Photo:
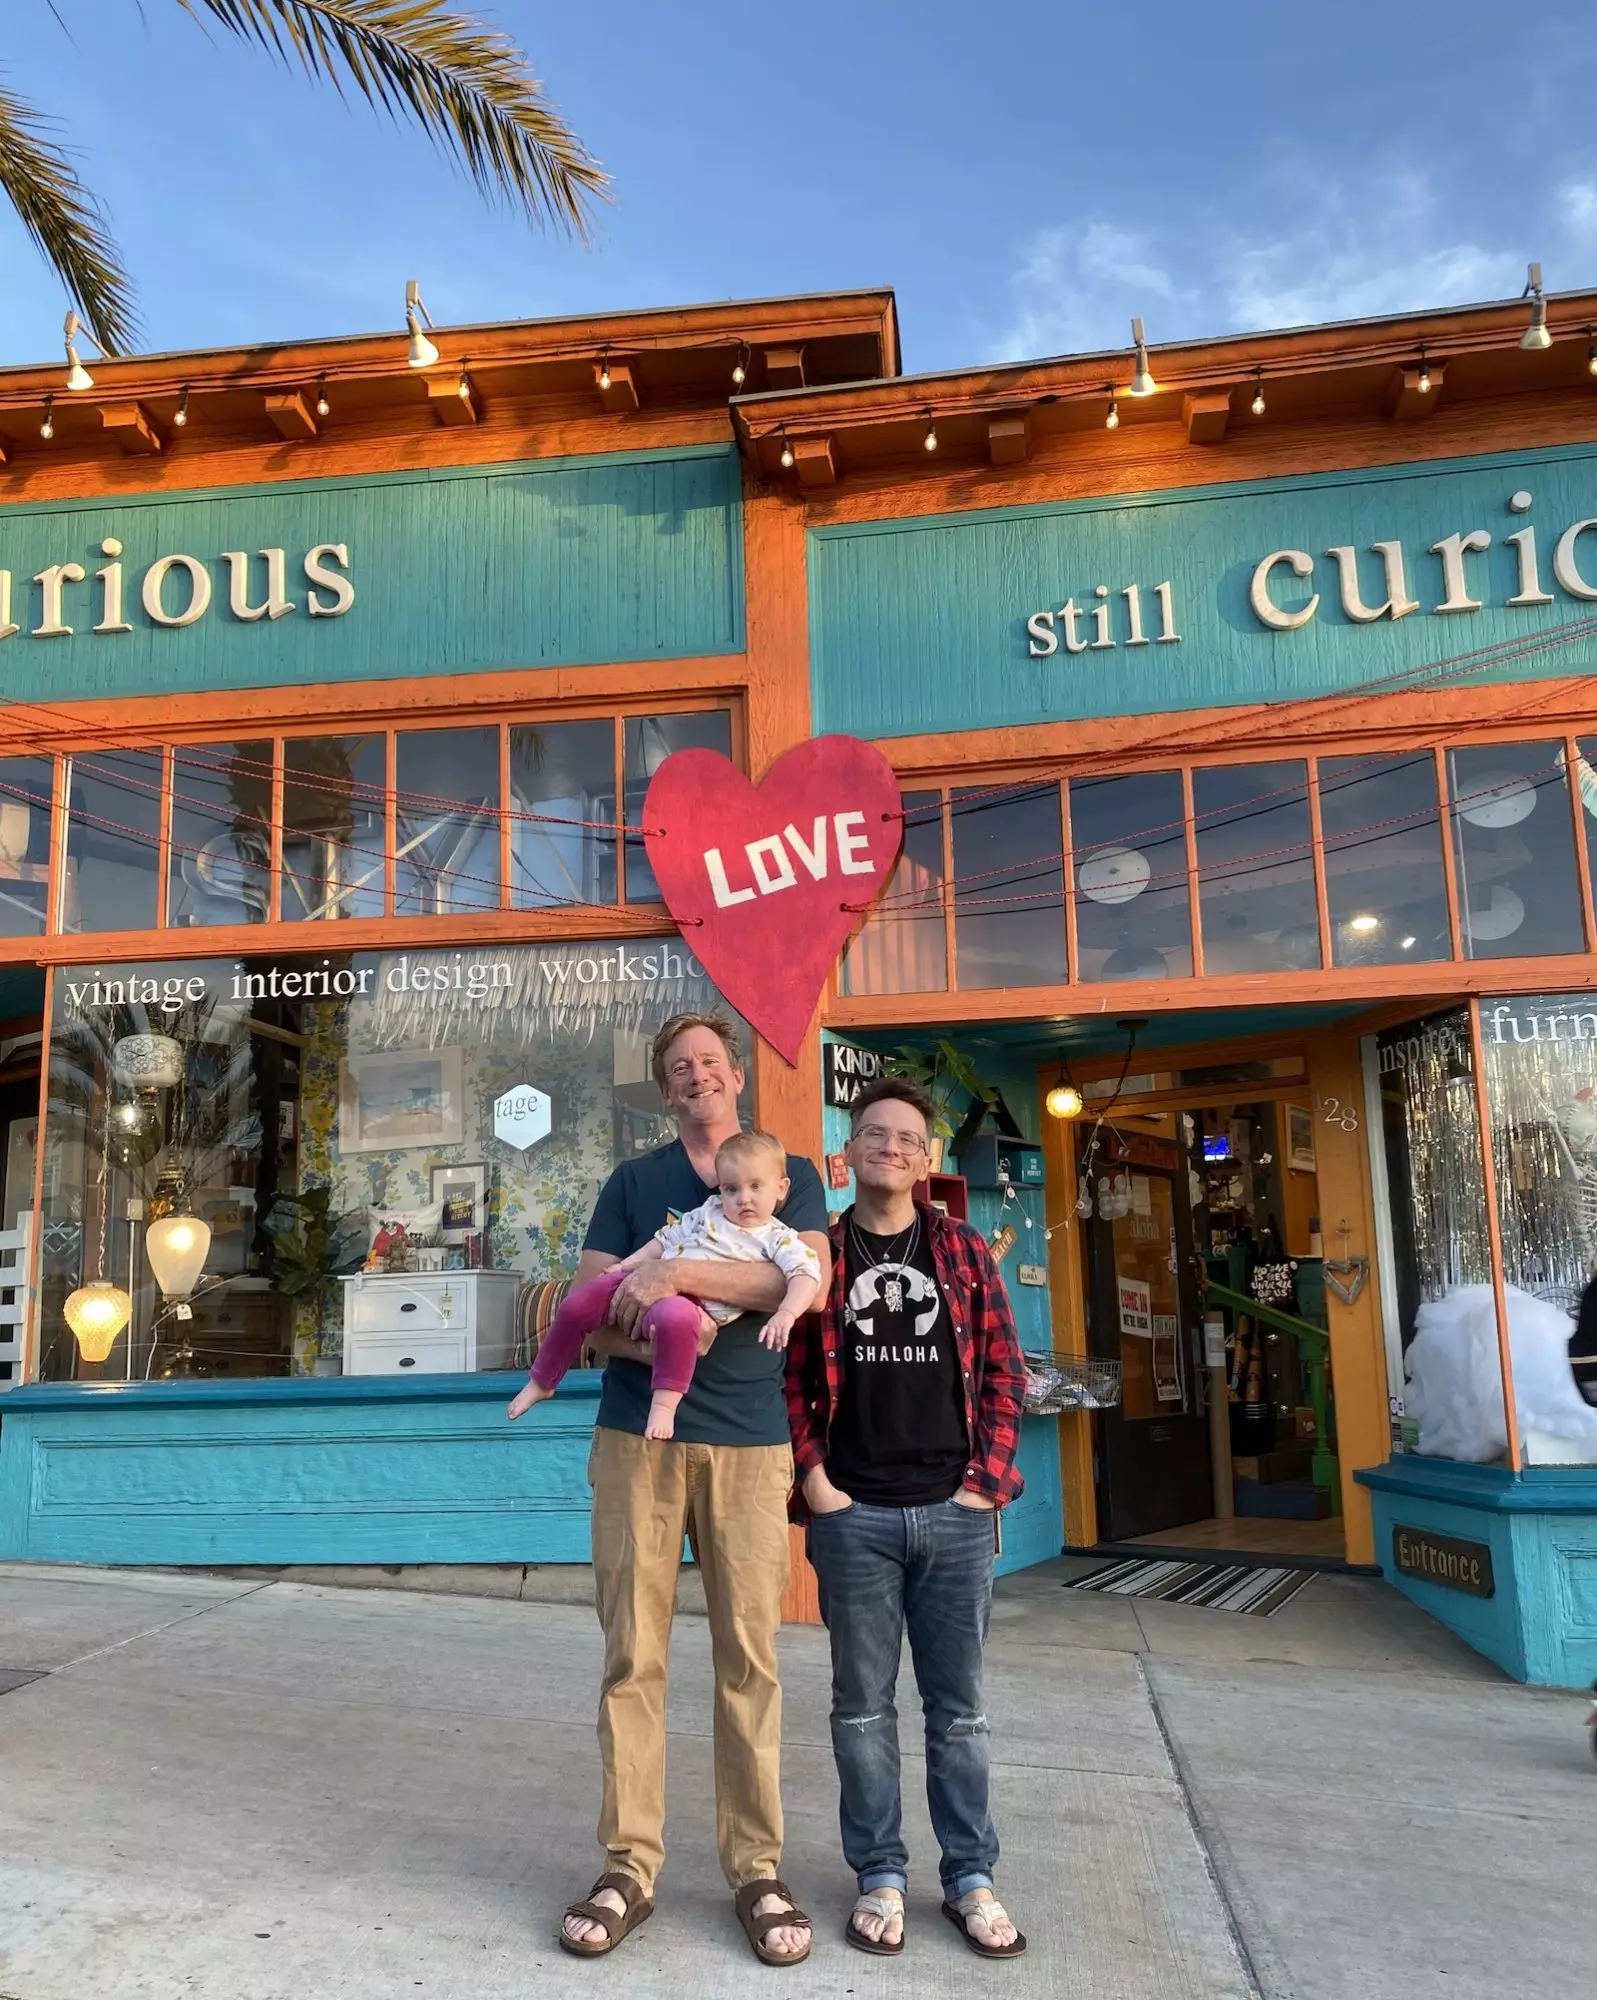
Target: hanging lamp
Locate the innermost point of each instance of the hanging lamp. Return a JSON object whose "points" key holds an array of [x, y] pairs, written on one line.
{"points": [[98, 1311]]}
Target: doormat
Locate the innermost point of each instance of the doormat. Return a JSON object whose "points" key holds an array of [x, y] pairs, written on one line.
{"points": [[1212, 1586]]}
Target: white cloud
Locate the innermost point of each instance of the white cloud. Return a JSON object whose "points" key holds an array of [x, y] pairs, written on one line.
{"points": [[1577, 206], [1339, 250]]}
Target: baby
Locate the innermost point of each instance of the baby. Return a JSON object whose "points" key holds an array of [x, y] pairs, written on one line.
{"points": [[738, 1224]]}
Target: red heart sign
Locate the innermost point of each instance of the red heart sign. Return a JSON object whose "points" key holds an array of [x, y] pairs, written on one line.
{"points": [[768, 881]]}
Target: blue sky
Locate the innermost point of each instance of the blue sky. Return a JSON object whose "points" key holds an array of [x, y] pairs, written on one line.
{"points": [[1025, 177]]}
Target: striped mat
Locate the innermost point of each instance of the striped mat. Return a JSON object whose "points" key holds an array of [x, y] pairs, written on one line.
{"points": [[1212, 1586]]}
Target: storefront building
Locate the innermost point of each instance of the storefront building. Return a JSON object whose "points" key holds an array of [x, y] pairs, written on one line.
{"points": [[1246, 744]]}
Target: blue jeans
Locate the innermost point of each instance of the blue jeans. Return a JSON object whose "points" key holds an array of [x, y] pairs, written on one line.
{"points": [[881, 1569]]}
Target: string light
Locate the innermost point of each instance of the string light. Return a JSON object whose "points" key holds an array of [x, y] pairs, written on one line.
{"points": [[323, 407], [1424, 383], [1257, 405], [740, 367], [463, 386], [604, 369], [787, 453], [181, 415], [1591, 352], [930, 439], [47, 428], [1111, 420]]}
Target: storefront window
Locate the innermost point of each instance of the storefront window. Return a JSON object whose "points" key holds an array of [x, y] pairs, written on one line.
{"points": [[562, 791], [26, 785], [221, 835], [113, 841], [335, 834], [1009, 900], [902, 946], [1128, 836], [1256, 868], [650, 739], [1383, 860], [446, 822], [1514, 851], [300, 1107]]}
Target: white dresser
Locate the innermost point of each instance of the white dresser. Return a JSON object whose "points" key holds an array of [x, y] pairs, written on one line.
{"points": [[429, 1322]]}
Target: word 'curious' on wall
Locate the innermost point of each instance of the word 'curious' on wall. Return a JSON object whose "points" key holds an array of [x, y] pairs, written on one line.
{"points": [[175, 591]]}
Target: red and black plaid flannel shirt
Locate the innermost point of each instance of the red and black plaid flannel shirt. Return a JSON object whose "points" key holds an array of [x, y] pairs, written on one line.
{"points": [[990, 1366]]}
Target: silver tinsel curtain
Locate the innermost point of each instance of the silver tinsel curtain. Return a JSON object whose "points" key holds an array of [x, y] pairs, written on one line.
{"points": [[1428, 1064]]}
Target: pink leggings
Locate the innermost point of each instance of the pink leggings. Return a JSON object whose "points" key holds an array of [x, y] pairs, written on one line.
{"points": [[672, 1324]]}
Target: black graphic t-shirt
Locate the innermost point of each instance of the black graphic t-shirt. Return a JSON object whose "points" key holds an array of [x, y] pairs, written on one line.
{"points": [[898, 1438]]}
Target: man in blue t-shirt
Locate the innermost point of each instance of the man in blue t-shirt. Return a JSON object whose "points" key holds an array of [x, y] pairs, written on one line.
{"points": [[723, 1480]]}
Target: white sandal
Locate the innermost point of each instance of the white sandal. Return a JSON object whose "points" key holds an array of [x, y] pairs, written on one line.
{"points": [[876, 1906]]}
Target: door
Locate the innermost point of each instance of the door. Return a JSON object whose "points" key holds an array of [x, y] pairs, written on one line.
{"points": [[1153, 1468]]}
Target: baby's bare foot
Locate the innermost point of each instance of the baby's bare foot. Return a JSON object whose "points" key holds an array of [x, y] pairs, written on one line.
{"points": [[662, 1421], [534, 1392]]}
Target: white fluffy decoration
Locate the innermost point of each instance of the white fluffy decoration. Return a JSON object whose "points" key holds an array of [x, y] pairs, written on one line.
{"points": [[1455, 1389]]}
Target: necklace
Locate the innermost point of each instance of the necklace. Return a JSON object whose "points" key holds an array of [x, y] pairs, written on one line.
{"points": [[899, 1253]]}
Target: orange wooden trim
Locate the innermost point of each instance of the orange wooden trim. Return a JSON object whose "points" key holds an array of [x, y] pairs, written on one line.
{"points": [[619, 732], [33, 1328], [391, 822], [274, 880], [1068, 856], [1582, 853], [1494, 1234], [1194, 909], [1445, 827], [1233, 1048], [60, 799], [163, 841], [776, 670], [1322, 894], [504, 816]]}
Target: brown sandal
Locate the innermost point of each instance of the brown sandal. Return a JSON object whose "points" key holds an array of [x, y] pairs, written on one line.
{"points": [[616, 1924], [959, 1914], [758, 1928]]}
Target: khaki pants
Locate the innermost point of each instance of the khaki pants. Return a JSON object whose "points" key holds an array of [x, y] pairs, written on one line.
{"points": [[731, 1502]]}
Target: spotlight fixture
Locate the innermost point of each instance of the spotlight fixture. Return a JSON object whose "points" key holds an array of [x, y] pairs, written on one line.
{"points": [[787, 454], [47, 428], [180, 415], [423, 352], [1536, 334], [930, 439], [78, 377], [604, 369], [1257, 405], [323, 407], [1111, 421], [1424, 383], [1142, 383], [740, 367]]}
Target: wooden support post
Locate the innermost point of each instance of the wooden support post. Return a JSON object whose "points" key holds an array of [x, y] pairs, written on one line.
{"points": [[129, 424], [812, 460], [290, 415], [452, 400], [1405, 399], [784, 368], [1206, 414], [1009, 439], [1067, 1302]]}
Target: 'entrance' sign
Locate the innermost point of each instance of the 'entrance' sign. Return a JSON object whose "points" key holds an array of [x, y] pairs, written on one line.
{"points": [[769, 881], [1444, 1560]]}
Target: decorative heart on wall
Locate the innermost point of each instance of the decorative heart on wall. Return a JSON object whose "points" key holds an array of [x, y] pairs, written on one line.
{"points": [[770, 881]]}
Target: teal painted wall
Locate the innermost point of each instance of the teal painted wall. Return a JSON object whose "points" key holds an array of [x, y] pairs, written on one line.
{"points": [[567, 562], [921, 625]]}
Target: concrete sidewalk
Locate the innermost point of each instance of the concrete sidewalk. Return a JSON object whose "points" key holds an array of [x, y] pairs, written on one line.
{"points": [[245, 1791]]}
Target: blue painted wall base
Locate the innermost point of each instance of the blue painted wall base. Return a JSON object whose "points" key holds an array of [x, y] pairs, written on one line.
{"points": [[358, 1470], [1540, 1624]]}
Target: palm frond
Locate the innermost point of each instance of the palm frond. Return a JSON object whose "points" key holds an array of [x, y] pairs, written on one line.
{"points": [[468, 88], [65, 222]]}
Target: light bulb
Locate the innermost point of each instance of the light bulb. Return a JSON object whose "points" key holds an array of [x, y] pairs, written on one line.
{"points": [[47, 428], [1424, 383], [604, 374], [97, 1313], [1591, 357], [1063, 1101], [177, 1246], [323, 407], [1111, 421], [181, 415], [739, 373], [463, 387], [1257, 405], [787, 456], [930, 439]]}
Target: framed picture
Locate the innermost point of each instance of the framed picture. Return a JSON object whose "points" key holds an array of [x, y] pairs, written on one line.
{"points": [[460, 1194], [1300, 1139], [391, 1102]]}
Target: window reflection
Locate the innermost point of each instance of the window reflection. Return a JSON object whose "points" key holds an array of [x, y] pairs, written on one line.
{"points": [[564, 772], [221, 834], [902, 947], [334, 826], [1009, 903], [25, 793], [1128, 838], [650, 739], [1383, 859], [1255, 868], [446, 822], [1514, 850], [113, 841]]}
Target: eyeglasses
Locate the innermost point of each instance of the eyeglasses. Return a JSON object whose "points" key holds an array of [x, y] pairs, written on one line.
{"points": [[878, 1139]]}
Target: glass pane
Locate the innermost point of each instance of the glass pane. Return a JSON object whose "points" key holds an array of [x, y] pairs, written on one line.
{"points": [[1009, 896], [1143, 1245], [902, 946], [446, 822], [221, 834], [301, 1105], [1383, 859], [26, 785], [113, 841], [1453, 1395], [1541, 1089], [334, 826], [650, 740], [1128, 836], [1255, 868], [565, 775], [1514, 849]]}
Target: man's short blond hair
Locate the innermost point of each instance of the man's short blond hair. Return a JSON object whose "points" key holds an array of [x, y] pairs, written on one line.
{"points": [[751, 1146], [722, 1026]]}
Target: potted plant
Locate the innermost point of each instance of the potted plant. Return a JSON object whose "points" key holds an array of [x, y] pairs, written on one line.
{"points": [[943, 1070], [310, 1249]]}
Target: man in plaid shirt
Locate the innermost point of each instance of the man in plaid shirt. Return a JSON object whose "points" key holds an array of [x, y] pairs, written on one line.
{"points": [[904, 1399]]}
